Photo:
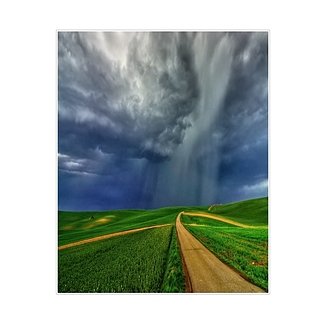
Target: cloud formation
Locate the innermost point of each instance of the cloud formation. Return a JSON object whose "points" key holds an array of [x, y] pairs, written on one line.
{"points": [[148, 119], [136, 105], [243, 123]]}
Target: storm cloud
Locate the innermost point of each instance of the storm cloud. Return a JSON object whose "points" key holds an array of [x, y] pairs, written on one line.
{"points": [[148, 119], [136, 104]]}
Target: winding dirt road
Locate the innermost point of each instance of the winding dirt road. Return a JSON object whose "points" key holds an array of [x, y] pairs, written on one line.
{"points": [[205, 272], [107, 236]]}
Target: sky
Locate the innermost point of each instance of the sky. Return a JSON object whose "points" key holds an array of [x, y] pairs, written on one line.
{"points": [[154, 119]]}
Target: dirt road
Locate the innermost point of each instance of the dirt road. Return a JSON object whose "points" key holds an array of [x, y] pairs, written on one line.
{"points": [[206, 273], [107, 236], [219, 218]]}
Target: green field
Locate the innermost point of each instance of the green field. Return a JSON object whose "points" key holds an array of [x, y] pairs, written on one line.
{"points": [[145, 261], [149, 260], [76, 226]]}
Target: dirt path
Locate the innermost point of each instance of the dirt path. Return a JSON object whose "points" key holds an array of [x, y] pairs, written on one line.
{"points": [[107, 236], [207, 274], [218, 218]]}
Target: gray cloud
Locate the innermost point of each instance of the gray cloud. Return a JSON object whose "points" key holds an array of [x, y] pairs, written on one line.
{"points": [[194, 102], [138, 105], [243, 122]]}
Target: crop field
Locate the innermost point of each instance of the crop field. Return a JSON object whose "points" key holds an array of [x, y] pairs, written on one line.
{"points": [[246, 250], [144, 261], [150, 260]]}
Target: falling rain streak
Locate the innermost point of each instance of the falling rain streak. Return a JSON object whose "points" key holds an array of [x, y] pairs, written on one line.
{"points": [[193, 168]]}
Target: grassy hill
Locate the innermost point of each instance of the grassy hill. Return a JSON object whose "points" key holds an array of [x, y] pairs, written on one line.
{"points": [[76, 226], [251, 212]]}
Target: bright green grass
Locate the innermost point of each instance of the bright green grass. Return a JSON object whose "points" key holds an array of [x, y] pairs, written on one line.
{"points": [[246, 250], [174, 279], [198, 220], [129, 263], [250, 212], [76, 226]]}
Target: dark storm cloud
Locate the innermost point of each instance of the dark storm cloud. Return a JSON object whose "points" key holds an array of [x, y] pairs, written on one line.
{"points": [[137, 105], [83, 191], [196, 103], [244, 115]]}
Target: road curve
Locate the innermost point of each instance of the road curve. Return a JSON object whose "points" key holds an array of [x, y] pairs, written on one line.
{"points": [[207, 274]]}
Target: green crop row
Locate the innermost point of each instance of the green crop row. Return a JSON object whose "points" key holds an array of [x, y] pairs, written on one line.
{"points": [[246, 250], [132, 263], [174, 279]]}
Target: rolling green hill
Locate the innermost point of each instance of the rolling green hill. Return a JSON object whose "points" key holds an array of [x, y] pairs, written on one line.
{"points": [[76, 226], [251, 212]]}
